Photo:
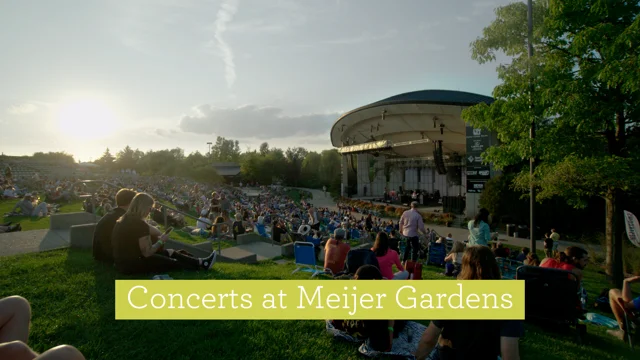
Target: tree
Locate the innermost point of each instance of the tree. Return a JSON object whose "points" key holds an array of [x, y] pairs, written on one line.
{"points": [[295, 157], [106, 160], [584, 103], [225, 150], [264, 148], [125, 158]]}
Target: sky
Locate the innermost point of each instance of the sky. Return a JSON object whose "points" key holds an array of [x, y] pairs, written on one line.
{"points": [[83, 75]]}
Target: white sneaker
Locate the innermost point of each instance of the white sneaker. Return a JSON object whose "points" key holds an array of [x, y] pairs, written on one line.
{"points": [[208, 262]]}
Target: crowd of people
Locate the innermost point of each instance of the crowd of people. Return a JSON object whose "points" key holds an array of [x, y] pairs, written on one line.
{"points": [[128, 236]]}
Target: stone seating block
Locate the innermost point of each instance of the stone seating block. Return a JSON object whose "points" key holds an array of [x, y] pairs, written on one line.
{"points": [[81, 236], [66, 221], [249, 238], [287, 250]]}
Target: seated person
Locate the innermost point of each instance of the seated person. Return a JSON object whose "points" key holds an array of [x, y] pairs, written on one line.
{"points": [[532, 260], [278, 229], [30, 207], [500, 251], [573, 259], [473, 339], [219, 228], [336, 251], [203, 221], [134, 252], [393, 241], [238, 226], [102, 250], [523, 254], [10, 193], [628, 303], [454, 259], [379, 333], [15, 320], [387, 258]]}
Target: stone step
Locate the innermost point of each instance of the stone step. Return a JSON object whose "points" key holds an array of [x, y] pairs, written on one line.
{"points": [[237, 255]]}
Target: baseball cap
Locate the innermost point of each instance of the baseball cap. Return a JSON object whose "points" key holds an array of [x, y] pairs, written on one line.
{"points": [[339, 232]]}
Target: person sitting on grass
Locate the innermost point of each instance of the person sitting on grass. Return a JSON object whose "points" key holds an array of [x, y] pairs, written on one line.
{"points": [[532, 260], [387, 258], [473, 339], [30, 207], [134, 252], [378, 333], [523, 254], [102, 249], [628, 303], [454, 259], [238, 226], [15, 320], [572, 259]]}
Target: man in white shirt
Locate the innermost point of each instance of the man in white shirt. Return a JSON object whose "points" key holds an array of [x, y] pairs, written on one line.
{"points": [[411, 224]]}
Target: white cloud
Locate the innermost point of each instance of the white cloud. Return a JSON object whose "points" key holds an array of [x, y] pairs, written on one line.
{"points": [[251, 121], [22, 109], [365, 37], [227, 10]]}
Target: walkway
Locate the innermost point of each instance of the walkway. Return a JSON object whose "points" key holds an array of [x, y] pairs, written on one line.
{"points": [[320, 200]]}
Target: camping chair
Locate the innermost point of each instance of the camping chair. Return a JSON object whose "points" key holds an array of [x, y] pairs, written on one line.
{"points": [[357, 258], [552, 297], [305, 255], [437, 253], [508, 267], [631, 323]]}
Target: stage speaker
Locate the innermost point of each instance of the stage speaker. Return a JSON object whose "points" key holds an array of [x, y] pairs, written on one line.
{"points": [[454, 175], [438, 158]]}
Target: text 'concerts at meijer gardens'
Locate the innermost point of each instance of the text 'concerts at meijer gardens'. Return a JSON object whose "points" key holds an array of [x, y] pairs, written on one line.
{"points": [[317, 300]]}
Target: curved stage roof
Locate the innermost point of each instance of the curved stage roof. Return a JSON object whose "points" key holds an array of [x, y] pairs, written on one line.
{"points": [[408, 124]]}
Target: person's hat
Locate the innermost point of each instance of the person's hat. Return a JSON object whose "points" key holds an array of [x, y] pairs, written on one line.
{"points": [[339, 232]]}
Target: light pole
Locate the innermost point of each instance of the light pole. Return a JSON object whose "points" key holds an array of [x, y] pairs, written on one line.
{"points": [[532, 132], [209, 143]]}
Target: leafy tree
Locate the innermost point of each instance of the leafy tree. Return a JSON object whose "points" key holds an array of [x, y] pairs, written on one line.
{"points": [[264, 149], [584, 103], [106, 160], [225, 150]]}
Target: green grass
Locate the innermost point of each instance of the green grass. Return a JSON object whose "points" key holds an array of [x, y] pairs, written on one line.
{"points": [[73, 302], [32, 223]]}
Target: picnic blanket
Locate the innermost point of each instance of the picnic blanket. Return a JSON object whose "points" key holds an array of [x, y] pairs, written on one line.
{"points": [[403, 346], [601, 320]]}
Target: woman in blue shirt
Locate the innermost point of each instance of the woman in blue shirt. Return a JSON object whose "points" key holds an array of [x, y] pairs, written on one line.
{"points": [[479, 232]]}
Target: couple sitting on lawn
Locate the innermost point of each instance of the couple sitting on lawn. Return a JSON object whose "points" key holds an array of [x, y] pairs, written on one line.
{"points": [[124, 238], [449, 339], [31, 207]]}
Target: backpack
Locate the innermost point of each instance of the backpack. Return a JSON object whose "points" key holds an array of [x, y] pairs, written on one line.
{"points": [[359, 257], [602, 302]]}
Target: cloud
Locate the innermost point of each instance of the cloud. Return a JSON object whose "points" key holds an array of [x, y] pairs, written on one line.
{"points": [[22, 109], [365, 37], [462, 19], [227, 10], [251, 121]]}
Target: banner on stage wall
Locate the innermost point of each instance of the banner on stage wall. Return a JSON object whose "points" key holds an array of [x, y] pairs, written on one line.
{"points": [[633, 228]]}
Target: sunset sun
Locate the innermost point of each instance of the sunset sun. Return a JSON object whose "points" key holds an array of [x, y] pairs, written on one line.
{"points": [[86, 119]]}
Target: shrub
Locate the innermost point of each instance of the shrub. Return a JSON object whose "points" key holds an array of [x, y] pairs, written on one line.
{"points": [[379, 207], [389, 209], [399, 211]]}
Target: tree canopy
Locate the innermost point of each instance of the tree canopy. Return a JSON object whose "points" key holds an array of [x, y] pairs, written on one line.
{"points": [[584, 74]]}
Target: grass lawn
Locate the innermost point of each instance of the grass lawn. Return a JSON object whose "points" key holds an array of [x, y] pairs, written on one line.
{"points": [[73, 302], [30, 223]]}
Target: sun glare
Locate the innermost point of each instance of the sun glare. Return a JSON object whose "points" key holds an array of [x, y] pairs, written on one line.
{"points": [[86, 119]]}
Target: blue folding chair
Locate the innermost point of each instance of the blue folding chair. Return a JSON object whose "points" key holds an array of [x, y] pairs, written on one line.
{"points": [[314, 241], [305, 255], [437, 253]]}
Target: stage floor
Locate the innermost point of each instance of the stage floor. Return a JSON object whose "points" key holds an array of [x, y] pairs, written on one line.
{"points": [[433, 209]]}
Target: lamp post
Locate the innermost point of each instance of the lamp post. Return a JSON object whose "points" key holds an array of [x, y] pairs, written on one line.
{"points": [[532, 132], [209, 143]]}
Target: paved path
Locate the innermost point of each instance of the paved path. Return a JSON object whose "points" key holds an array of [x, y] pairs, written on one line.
{"points": [[320, 200], [24, 242]]}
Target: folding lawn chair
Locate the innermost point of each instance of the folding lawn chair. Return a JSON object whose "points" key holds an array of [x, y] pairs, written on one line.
{"points": [[305, 255], [552, 297], [262, 231], [437, 253], [632, 323]]}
